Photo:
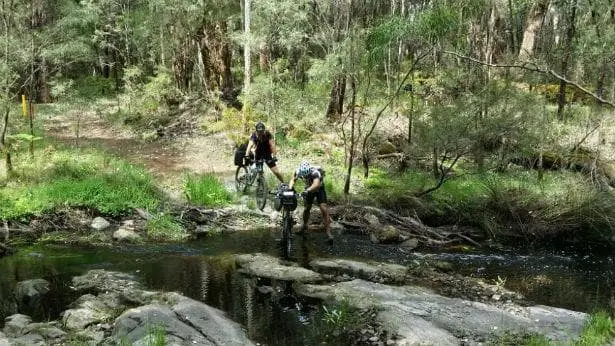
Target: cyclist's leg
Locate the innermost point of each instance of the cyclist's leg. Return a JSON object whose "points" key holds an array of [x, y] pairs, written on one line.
{"points": [[272, 166], [321, 199], [306, 216]]}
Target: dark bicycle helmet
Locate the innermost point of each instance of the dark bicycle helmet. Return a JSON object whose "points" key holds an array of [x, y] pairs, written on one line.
{"points": [[260, 127]]}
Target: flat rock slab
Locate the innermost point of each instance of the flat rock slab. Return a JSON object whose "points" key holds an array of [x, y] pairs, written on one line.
{"points": [[420, 316], [263, 265]]}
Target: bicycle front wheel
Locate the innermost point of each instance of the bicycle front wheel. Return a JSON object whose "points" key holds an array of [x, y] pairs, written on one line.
{"points": [[261, 192], [287, 229], [241, 179]]}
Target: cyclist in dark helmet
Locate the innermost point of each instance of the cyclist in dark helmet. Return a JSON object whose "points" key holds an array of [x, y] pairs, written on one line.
{"points": [[261, 145], [313, 177]]}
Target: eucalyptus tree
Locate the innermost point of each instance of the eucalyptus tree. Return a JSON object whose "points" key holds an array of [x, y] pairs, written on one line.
{"points": [[534, 21], [13, 17]]}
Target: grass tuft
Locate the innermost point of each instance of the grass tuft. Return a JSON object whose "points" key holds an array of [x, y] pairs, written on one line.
{"points": [[164, 227], [206, 190]]}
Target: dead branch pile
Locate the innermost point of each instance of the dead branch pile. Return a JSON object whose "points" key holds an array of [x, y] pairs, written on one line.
{"points": [[355, 217]]}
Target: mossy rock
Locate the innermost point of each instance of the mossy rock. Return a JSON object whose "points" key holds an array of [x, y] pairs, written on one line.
{"points": [[385, 235], [386, 147]]}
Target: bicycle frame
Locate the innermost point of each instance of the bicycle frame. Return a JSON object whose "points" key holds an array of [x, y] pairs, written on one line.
{"points": [[283, 197], [246, 175], [255, 169]]}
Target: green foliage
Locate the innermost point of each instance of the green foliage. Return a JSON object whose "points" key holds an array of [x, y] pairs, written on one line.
{"points": [[394, 190], [289, 109], [77, 179], [381, 36], [164, 227], [14, 141], [334, 184], [239, 124], [337, 318], [206, 190], [159, 91], [599, 329], [436, 23], [343, 321], [571, 93]]}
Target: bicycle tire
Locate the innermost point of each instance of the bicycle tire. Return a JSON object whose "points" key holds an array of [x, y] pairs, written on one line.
{"points": [[241, 179], [261, 192], [287, 228]]}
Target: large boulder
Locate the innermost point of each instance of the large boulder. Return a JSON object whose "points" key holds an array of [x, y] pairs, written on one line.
{"points": [[188, 322]]}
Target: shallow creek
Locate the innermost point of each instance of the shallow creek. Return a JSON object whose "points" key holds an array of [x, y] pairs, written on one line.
{"points": [[203, 270]]}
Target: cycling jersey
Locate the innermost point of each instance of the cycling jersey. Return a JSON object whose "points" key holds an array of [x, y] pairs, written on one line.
{"points": [[263, 149]]}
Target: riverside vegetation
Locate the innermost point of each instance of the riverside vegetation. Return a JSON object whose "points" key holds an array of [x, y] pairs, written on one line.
{"points": [[64, 181]]}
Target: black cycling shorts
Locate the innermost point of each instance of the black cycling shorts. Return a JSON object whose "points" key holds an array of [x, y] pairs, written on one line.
{"points": [[320, 195], [267, 157]]}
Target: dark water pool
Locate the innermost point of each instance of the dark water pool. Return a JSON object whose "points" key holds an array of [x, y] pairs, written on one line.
{"points": [[270, 313]]}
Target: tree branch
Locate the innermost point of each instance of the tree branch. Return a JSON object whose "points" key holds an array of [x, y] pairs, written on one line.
{"points": [[530, 66]]}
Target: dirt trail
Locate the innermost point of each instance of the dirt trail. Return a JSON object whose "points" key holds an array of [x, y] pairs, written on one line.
{"points": [[167, 160]]}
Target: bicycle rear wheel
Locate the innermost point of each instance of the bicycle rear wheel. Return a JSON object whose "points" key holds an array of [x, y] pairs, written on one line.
{"points": [[261, 192], [287, 228], [241, 179]]}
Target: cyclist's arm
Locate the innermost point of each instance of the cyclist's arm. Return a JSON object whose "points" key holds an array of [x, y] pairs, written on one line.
{"points": [[274, 150], [291, 183], [250, 146]]}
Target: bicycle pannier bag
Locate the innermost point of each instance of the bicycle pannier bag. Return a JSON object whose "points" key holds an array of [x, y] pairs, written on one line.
{"points": [[240, 153], [285, 199]]}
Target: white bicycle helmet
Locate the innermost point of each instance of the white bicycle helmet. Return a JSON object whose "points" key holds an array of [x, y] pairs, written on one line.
{"points": [[304, 169]]}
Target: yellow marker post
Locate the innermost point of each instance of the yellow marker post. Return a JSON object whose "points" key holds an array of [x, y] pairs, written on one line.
{"points": [[24, 108]]}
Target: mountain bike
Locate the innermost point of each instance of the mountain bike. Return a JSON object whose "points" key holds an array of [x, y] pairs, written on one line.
{"points": [[247, 174], [286, 200]]}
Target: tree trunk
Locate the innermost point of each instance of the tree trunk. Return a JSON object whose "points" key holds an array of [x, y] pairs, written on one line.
{"points": [[247, 73], [351, 149], [38, 86], [44, 94], [434, 163], [183, 64], [513, 28], [561, 96], [7, 82], [532, 25], [336, 103]]}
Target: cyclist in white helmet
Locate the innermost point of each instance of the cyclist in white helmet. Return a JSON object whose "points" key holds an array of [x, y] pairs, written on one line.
{"points": [[314, 189]]}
